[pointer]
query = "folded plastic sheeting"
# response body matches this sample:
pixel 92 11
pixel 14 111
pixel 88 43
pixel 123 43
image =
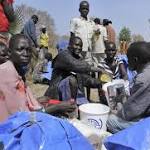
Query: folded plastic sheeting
pixel 39 131
pixel 136 137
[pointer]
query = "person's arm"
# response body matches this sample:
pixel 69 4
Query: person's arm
pixel 123 71
pixel 88 81
pixel 64 106
pixel 137 103
pixel 105 37
pixel 69 63
pixel 9 10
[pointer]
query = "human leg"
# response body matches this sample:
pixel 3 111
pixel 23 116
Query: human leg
pixel 116 124
pixel 68 88
pixel 73 86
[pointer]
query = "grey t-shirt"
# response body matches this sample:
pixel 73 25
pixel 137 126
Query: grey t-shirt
pixel 138 104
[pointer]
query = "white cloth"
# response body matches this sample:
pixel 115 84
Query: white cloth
pixel 83 29
pixel 98 45
pixel 95 136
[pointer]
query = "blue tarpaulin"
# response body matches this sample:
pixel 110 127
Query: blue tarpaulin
pixel 136 137
pixel 39 131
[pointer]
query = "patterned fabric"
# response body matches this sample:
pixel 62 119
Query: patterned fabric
pixel 117 61
pixel 116 72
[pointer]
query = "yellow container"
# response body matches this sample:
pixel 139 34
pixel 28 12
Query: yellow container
pixel 105 78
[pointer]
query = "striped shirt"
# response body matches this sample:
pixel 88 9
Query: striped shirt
pixel 116 72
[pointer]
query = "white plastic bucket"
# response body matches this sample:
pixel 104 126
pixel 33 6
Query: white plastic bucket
pixel 95 115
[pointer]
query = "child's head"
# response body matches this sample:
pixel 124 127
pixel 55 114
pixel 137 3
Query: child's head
pixel 48 56
pixel 110 50
pixel 43 29
pixel 3 53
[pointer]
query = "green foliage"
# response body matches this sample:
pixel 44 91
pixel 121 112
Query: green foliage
pixel 125 34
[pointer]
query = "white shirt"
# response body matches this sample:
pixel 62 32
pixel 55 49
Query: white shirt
pixel 98 45
pixel 84 29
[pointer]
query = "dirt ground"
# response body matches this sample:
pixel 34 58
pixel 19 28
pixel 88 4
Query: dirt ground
pixel 39 90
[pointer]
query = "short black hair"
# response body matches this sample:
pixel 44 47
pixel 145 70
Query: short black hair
pixel 84 2
pixel 141 50
pixel 97 20
pixel 15 38
pixel 35 17
pixel 72 38
pixel 106 22
pixel 110 45
pixel 48 56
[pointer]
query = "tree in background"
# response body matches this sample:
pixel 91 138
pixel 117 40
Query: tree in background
pixel 137 37
pixel 25 12
pixel 124 39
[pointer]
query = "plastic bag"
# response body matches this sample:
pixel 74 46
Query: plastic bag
pixel 39 131
pixel 136 137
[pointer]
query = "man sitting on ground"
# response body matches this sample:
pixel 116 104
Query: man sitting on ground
pixel 16 94
pixel 70 73
pixel 137 105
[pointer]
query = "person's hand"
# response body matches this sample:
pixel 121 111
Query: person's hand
pixel 114 111
pixel 66 106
